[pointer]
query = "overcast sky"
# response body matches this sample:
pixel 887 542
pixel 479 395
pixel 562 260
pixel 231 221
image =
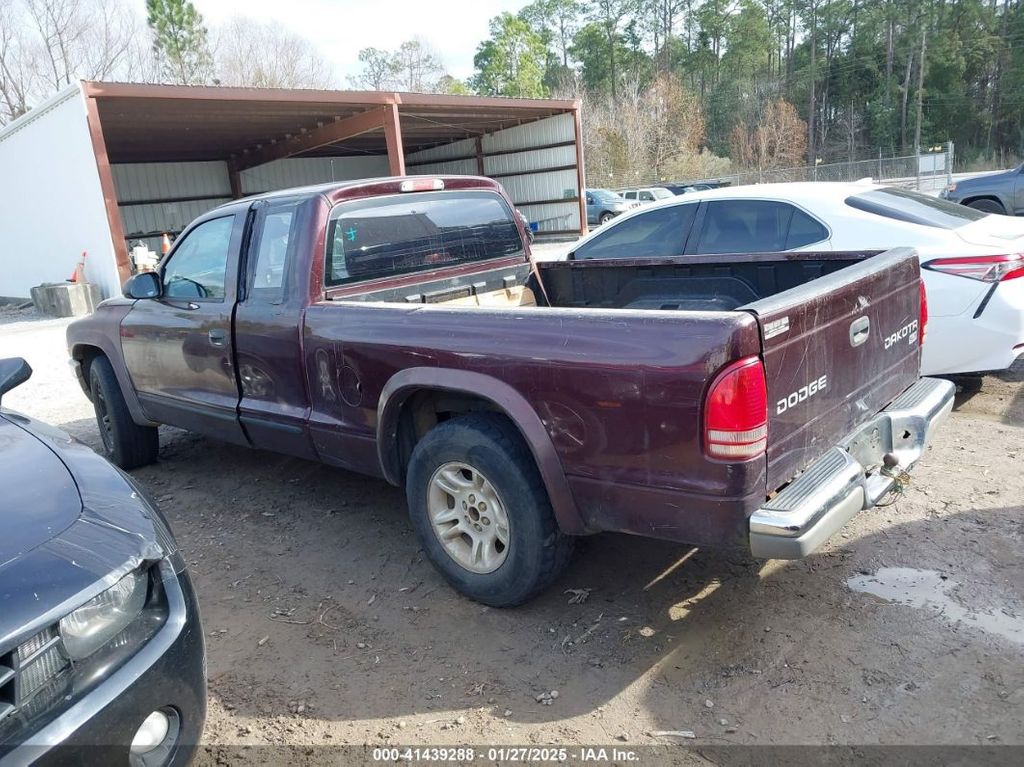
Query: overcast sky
pixel 340 28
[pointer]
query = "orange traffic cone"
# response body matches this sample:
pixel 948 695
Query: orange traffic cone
pixel 79 274
pixel 165 244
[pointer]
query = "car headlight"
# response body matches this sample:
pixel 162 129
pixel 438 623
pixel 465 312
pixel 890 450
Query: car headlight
pixel 103 617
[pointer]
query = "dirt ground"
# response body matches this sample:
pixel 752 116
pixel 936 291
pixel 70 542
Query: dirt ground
pixel 325 625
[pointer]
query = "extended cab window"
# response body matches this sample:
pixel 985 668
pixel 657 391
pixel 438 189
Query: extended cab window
pixel 382 237
pixel 655 233
pixel 756 226
pixel 273 236
pixel 198 267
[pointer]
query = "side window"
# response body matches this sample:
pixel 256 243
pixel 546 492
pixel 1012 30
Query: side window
pixel 657 233
pixel 804 230
pixel 744 226
pixel 646 196
pixel 198 267
pixel 273 237
pixel 629 195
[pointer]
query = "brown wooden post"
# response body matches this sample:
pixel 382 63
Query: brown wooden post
pixel 234 178
pixel 580 175
pixel 479 156
pixel 393 136
pixel 99 150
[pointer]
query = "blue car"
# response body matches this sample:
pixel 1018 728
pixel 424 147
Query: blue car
pixel 604 205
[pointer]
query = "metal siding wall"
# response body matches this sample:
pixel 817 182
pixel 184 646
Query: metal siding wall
pixel 170 180
pixel 304 171
pixel 450 168
pixel 462 148
pixel 535 185
pixel 160 217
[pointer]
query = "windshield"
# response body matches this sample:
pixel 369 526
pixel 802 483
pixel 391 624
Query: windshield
pixel 382 237
pixel 914 208
pixel 603 195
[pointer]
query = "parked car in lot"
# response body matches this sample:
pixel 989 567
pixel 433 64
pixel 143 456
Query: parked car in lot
pixel 603 206
pixel 646 195
pixel 699 186
pixel 991 193
pixel 971 261
pixel 408 336
pixel 101 649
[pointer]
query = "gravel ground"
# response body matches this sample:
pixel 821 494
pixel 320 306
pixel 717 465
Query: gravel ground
pixel 325 625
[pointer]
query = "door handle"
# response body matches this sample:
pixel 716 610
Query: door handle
pixel 859 330
pixel 218 337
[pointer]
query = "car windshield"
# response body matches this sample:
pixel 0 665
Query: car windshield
pixel 914 208
pixel 603 195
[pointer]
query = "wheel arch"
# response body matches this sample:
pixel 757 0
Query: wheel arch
pixel 409 389
pixel 986 196
pixel 86 349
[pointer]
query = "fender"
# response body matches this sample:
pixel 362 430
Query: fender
pixel 99 331
pixel 404 383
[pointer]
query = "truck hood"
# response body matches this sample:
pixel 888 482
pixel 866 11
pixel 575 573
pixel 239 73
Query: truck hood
pixel 40 498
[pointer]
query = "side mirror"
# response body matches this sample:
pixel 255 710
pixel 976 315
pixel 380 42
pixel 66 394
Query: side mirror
pixel 13 372
pixel 143 285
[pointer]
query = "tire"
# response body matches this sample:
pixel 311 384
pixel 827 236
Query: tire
pixel 125 443
pixel 987 206
pixel 605 218
pixel 481 458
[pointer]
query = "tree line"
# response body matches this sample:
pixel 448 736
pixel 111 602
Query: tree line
pixel 670 87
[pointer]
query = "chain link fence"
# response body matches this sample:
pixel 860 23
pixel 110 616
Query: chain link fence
pixel 926 172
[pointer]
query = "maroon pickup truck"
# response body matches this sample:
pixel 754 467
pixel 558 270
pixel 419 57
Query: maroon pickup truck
pixel 396 327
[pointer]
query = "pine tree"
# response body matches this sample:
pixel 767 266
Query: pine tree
pixel 179 41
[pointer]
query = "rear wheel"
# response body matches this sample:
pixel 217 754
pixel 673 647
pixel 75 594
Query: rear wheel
pixel 480 510
pixel 125 443
pixel 987 206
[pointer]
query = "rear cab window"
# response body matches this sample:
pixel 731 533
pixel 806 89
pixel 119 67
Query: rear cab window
pixel 388 236
pixel 914 208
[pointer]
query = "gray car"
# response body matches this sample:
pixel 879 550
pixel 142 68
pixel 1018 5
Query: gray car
pixel 993 193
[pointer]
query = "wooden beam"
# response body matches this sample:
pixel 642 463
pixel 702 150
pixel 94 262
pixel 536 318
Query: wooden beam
pixel 393 136
pixel 109 190
pixel 339 130
pixel 234 179
pixel 479 156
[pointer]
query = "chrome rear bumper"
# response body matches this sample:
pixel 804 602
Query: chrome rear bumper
pixel 851 476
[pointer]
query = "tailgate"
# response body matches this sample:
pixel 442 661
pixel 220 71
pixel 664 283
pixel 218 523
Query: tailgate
pixel 836 351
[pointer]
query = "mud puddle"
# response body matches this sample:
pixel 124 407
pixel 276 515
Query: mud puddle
pixel 928 590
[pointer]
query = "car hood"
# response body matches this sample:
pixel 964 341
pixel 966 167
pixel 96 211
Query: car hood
pixel 72 525
pixel 984 181
pixel 40 498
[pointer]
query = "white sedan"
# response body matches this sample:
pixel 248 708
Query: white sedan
pixel 972 262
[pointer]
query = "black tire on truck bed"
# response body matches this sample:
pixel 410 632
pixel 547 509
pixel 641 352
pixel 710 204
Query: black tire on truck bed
pixel 125 443
pixel 497 466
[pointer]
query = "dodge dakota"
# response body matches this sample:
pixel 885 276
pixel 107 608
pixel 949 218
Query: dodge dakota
pixel 397 327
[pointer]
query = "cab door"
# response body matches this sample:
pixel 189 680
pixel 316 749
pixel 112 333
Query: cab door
pixel 179 348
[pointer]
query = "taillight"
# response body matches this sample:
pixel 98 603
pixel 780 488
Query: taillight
pixel 736 412
pixel 984 268
pixel 922 320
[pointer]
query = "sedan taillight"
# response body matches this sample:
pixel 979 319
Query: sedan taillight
pixel 983 268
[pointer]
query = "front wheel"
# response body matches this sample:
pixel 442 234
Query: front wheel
pixel 988 206
pixel 480 510
pixel 606 217
pixel 125 443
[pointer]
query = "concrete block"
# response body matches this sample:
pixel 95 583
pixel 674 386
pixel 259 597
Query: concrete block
pixel 66 299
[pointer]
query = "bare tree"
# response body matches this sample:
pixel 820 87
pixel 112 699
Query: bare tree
pixel 779 139
pixel 260 55
pixel 17 76
pixel 417 66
